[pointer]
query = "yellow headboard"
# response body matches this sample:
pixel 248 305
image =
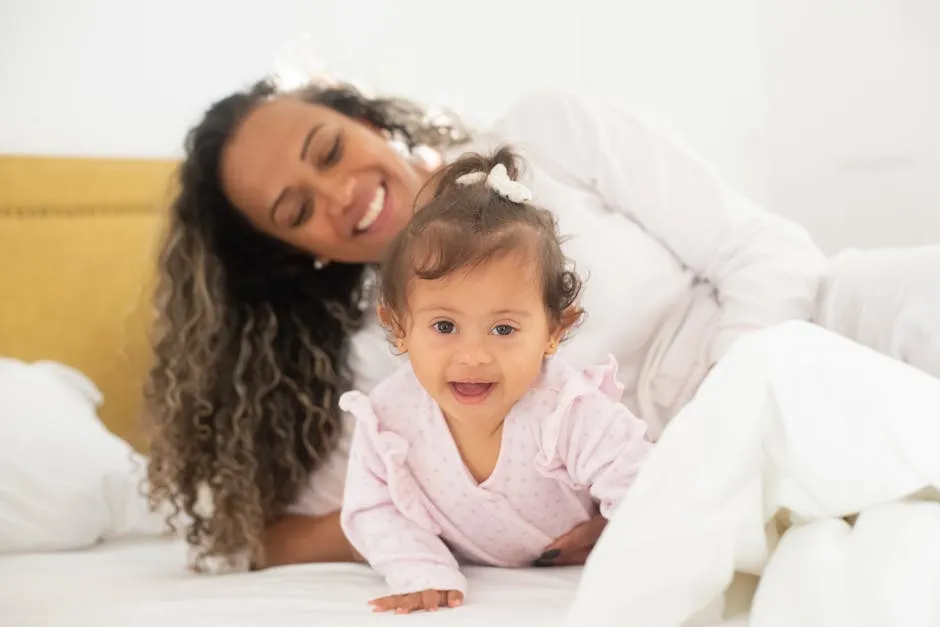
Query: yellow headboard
pixel 78 239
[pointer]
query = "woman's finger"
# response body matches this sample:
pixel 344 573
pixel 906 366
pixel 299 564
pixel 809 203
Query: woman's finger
pixel 574 557
pixel 454 598
pixel 587 534
pixel 547 558
pixel 574 546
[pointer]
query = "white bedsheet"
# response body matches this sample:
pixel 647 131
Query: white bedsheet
pixel 144 583
pixel 794 422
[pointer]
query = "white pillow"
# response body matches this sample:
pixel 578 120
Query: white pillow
pixel 66 482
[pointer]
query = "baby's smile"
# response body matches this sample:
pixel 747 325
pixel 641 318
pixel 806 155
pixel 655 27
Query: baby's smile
pixel 471 392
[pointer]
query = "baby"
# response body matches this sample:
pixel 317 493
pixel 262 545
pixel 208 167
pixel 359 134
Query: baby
pixel 485 445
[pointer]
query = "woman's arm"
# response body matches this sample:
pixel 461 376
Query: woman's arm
pixel 298 539
pixel 764 268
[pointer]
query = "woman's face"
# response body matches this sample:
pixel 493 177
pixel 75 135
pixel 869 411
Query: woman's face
pixel 318 180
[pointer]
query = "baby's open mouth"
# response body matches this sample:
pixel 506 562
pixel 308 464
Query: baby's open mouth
pixel 471 391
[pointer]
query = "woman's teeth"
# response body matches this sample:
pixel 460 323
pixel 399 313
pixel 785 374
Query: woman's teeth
pixel 375 210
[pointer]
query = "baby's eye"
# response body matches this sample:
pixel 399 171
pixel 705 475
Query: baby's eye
pixel 444 327
pixel 503 329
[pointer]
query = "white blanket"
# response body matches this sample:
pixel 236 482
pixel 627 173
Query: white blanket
pixel 795 429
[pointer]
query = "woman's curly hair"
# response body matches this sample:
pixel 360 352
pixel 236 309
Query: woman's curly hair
pixel 250 340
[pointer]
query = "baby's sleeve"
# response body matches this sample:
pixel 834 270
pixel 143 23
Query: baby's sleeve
pixel 602 445
pixel 410 556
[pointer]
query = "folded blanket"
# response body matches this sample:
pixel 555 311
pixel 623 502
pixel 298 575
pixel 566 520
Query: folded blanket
pixel 795 429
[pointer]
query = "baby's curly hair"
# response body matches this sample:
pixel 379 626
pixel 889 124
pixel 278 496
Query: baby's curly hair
pixel 464 226
pixel 250 339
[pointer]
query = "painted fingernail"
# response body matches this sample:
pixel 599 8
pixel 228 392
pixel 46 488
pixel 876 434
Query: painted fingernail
pixel 545 559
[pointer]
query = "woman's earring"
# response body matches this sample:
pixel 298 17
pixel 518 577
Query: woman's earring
pixel 319 264
pixel 397 145
pixel 426 158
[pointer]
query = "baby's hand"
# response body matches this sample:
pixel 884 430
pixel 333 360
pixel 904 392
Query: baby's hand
pixel 428 600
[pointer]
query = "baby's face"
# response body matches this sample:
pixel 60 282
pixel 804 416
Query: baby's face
pixel 476 339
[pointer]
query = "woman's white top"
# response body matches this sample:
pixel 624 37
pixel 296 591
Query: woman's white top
pixel 677 264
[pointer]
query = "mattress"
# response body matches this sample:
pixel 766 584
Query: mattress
pixel 145 583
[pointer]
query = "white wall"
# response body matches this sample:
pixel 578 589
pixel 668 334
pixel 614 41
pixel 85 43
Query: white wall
pixel 853 118
pixel 113 77
pixel 698 64
pixel 826 110
pixel 123 77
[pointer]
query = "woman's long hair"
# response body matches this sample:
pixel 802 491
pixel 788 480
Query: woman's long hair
pixel 250 340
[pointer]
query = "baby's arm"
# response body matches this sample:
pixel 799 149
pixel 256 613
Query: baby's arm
pixel 603 446
pixel 412 559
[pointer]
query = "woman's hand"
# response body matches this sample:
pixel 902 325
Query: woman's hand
pixel 573 548
pixel 429 600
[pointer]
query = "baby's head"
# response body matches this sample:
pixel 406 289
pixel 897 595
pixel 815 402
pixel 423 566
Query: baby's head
pixel 476 289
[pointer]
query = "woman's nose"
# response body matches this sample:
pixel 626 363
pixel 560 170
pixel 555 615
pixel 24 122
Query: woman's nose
pixel 334 191
pixel 339 193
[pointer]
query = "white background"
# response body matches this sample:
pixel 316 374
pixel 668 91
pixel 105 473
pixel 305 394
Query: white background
pixel 827 111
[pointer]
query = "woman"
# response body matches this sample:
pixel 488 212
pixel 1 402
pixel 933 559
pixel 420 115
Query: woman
pixel 264 305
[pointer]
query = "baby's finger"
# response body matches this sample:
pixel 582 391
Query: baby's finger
pixel 384 604
pixel 409 603
pixel 430 600
pixel 454 598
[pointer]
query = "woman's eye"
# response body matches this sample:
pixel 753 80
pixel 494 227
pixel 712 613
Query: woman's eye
pixel 503 329
pixel 303 212
pixel 444 327
pixel 334 154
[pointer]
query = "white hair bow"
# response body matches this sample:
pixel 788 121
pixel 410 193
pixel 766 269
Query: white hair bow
pixel 498 180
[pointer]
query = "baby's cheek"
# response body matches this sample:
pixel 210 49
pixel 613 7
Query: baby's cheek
pixel 428 369
pixel 522 373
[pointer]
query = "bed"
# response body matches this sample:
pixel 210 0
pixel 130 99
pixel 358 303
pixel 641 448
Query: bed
pixel 143 582
pixel 79 547
pixel 77 244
